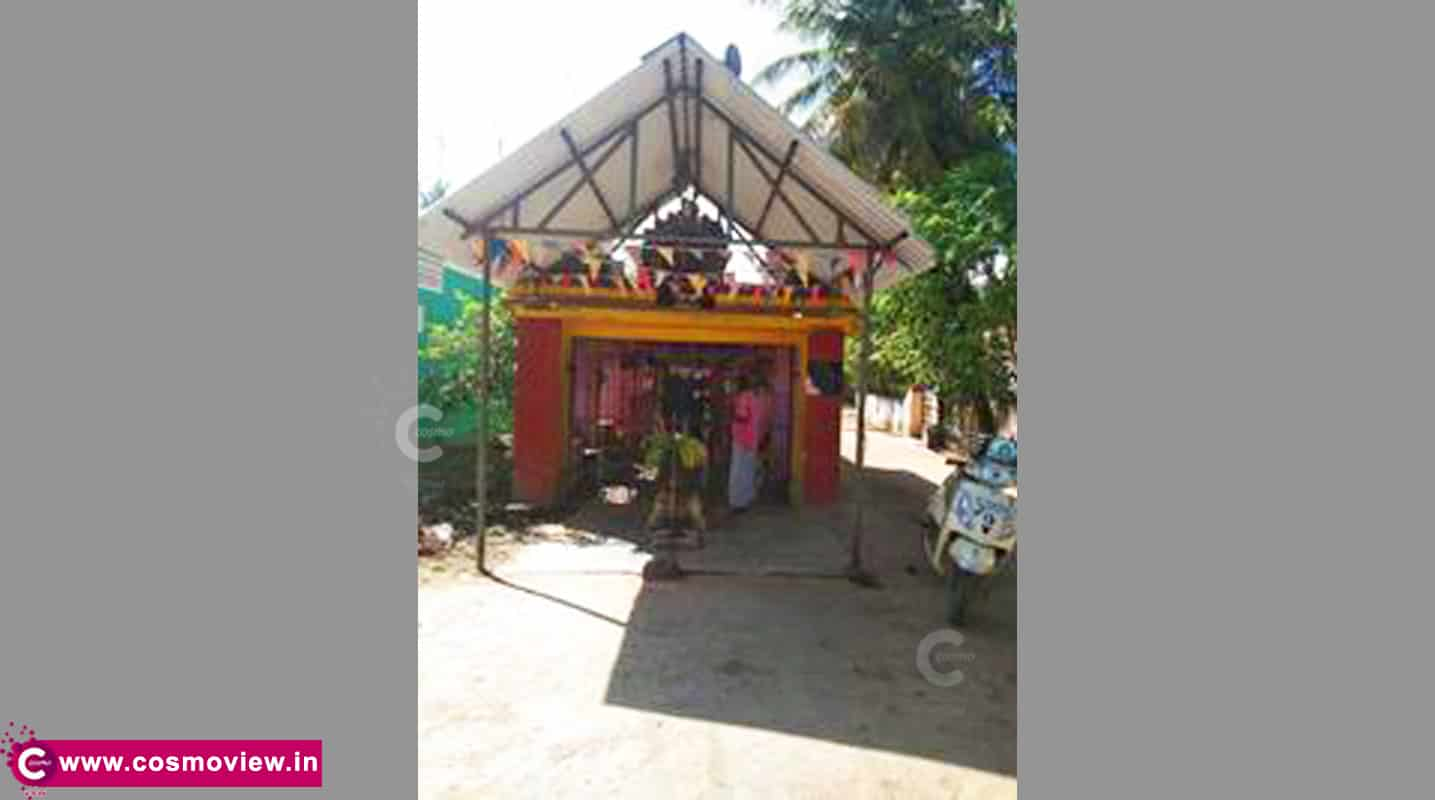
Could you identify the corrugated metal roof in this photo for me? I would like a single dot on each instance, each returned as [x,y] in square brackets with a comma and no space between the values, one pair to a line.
[818,186]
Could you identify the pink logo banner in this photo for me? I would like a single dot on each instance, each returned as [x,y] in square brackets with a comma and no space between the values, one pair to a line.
[165,763]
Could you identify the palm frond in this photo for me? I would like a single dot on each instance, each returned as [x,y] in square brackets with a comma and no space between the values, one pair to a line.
[810,60]
[806,97]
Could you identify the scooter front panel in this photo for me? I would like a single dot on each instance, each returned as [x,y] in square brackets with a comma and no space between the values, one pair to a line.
[982,513]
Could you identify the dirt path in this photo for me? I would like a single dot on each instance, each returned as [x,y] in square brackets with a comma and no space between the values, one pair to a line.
[562,683]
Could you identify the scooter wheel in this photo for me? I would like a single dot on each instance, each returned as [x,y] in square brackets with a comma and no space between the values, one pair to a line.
[929,536]
[957,591]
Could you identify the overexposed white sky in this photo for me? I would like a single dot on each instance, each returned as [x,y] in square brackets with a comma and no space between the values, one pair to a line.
[494,74]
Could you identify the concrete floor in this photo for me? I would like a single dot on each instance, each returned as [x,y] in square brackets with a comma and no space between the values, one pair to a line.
[573,677]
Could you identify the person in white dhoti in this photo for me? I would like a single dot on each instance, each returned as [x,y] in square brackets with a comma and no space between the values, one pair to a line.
[748,423]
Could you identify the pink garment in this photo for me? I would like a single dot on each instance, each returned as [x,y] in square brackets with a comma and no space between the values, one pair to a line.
[764,414]
[750,416]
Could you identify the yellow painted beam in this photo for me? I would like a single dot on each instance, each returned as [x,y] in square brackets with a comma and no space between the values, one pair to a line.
[653,319]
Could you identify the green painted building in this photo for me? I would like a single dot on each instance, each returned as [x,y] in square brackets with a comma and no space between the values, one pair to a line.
[440,288]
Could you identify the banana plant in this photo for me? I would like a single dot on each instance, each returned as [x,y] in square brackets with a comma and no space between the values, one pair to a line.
[664,450]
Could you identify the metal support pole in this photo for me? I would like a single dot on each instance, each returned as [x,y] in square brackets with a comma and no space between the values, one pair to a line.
[636,223]
[735,235]
[855,570]
[484,363]
[698,127]
[588,177]
[683,95]
[776,186]
[668,93]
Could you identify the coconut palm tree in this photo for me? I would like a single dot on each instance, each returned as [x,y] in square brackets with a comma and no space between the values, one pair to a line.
[901,89]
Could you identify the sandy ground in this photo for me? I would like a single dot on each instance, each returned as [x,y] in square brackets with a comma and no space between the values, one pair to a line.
[571,677]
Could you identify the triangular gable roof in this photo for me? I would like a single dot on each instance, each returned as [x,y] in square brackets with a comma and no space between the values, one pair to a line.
[680,118]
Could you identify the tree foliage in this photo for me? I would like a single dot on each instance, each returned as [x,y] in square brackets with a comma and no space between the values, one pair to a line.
[919,96]
[450,381]
[902,89]
[954,327]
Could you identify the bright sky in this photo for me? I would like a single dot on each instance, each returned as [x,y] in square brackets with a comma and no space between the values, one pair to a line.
[495,74]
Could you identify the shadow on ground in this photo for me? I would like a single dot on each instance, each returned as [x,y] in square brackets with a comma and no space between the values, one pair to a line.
[824,658]
[814,681]
[820,659]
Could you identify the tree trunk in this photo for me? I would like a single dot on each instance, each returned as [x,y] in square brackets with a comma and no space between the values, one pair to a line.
[975,419]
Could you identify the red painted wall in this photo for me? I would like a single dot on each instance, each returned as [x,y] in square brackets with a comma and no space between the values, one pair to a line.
[538,411]
[822,468]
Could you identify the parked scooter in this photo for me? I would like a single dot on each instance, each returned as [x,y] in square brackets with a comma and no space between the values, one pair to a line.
[970,530]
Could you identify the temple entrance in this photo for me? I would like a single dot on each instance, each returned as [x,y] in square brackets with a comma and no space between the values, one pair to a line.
[622,391]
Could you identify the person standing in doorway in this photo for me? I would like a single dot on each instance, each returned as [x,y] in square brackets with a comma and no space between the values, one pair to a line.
[762,405]
[746,436]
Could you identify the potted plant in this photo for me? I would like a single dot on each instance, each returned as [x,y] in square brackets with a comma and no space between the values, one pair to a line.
[675,455]
[679,460]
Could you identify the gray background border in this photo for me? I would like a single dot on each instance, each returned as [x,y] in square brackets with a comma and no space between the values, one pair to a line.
[1225,399]
[207,321]
[1224,313]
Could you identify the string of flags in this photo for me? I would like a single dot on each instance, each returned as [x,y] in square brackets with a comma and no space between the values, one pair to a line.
[816,273]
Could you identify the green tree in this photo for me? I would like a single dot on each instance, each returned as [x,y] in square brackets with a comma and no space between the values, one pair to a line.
[898,88]
[450,380]
[954,327]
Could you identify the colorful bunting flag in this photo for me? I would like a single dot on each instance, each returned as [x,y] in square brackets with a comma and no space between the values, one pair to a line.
[518,250]
[549,251]
[856,261]
[820,265]
[667,254]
